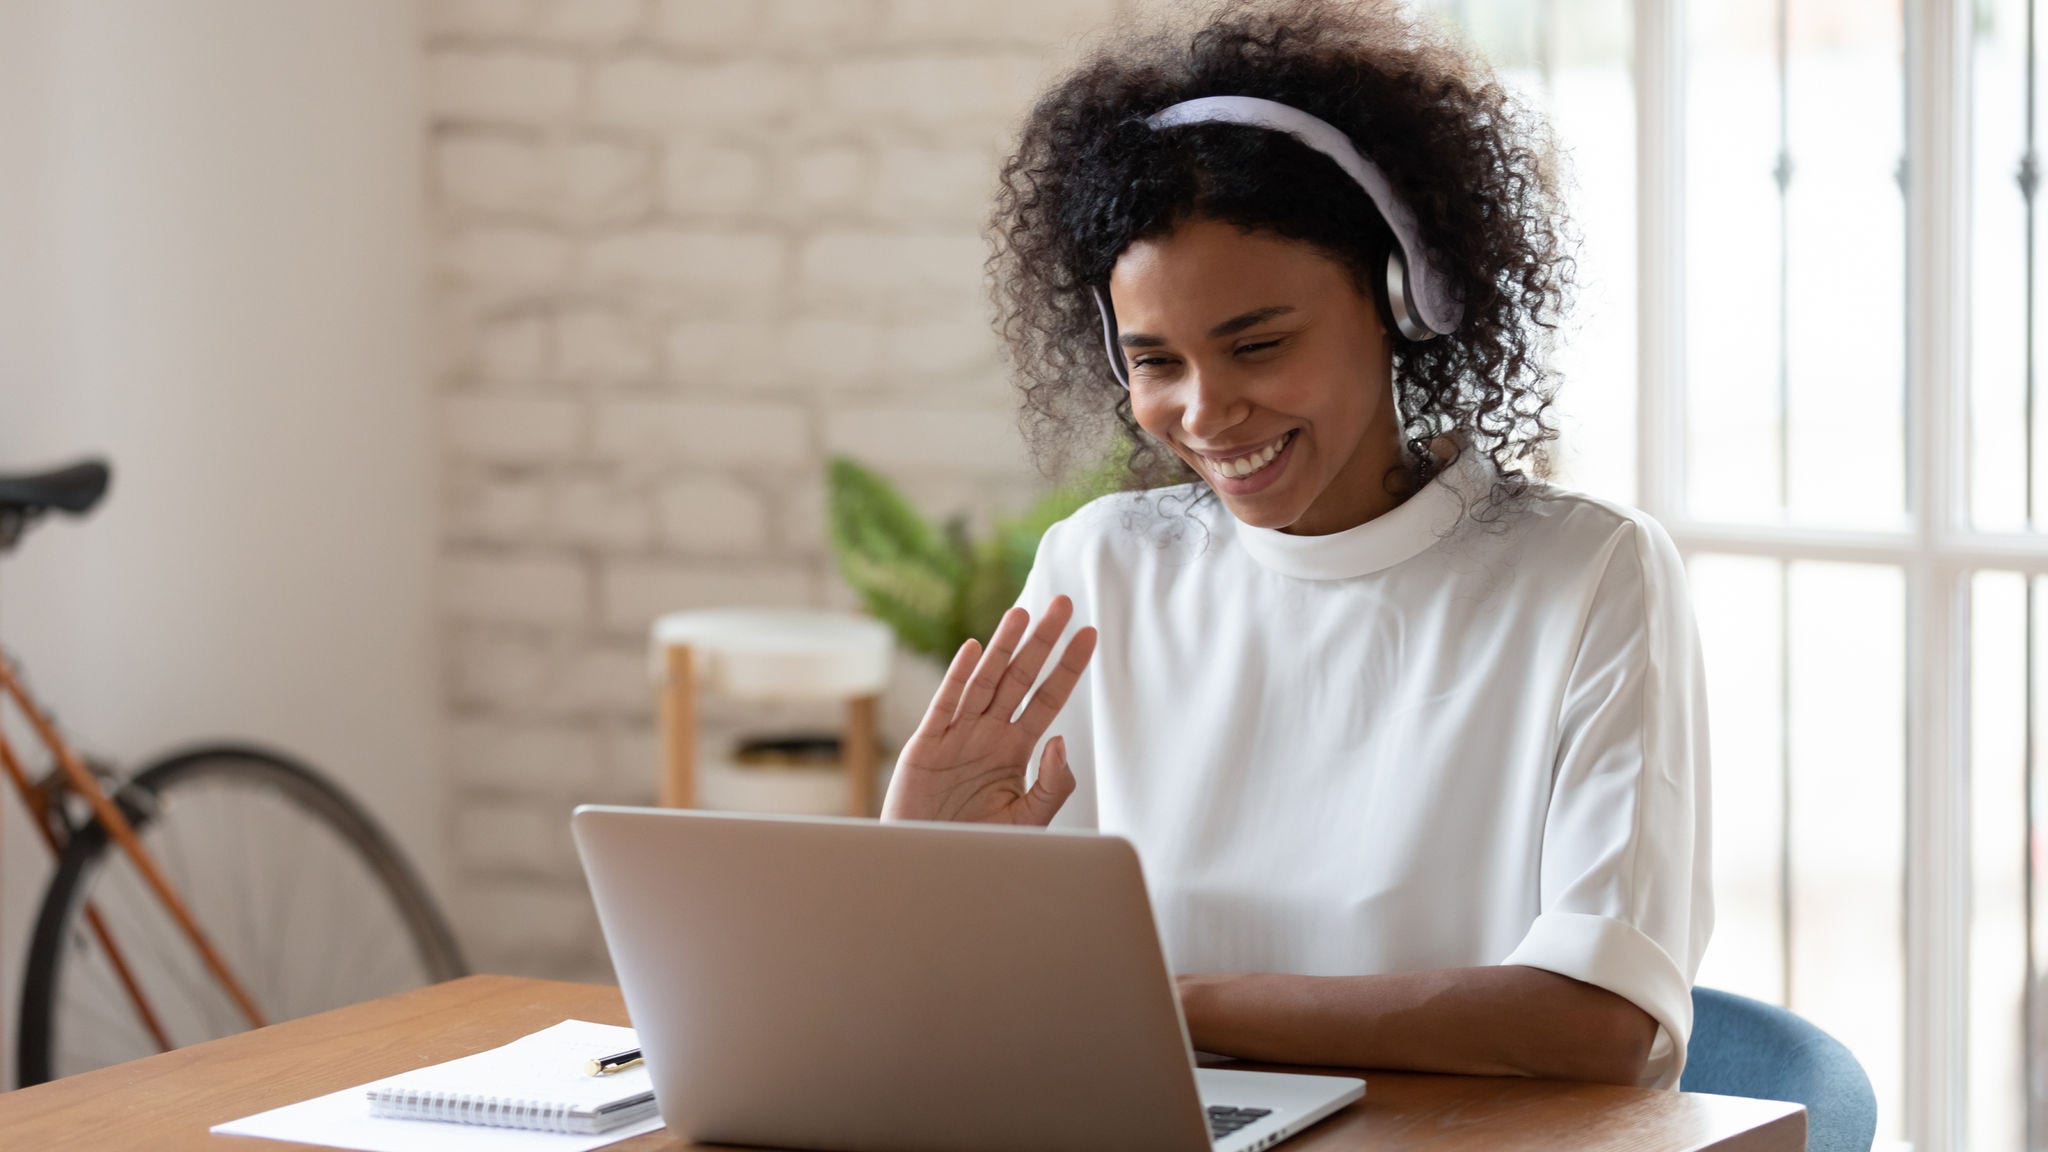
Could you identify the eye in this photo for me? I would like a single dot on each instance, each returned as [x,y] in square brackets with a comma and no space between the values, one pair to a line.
[1258,347]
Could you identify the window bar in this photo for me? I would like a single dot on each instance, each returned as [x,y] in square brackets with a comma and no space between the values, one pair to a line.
[1916,591]
[2029,179]
[1900,176]
[1658,69]
[1781,174]
[2029,1069]
[1935,1085]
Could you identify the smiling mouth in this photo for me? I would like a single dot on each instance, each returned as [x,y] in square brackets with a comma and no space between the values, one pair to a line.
[1240,467]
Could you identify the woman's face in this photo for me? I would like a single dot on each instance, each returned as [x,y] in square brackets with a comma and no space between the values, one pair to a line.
[1260,364]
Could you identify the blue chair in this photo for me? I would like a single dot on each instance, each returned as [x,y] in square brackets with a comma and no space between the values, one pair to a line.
[1744,1047]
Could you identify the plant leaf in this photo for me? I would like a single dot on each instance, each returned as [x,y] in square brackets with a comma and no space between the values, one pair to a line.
[890,556]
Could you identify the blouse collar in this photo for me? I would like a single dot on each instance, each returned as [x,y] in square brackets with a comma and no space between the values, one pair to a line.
[1408,530]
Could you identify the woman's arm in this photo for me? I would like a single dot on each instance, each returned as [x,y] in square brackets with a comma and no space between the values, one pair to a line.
[1505,1020]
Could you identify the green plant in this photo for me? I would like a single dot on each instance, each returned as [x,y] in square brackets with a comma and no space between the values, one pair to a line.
[937,586]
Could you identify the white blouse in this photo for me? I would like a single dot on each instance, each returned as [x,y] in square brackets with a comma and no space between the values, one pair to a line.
[1424,742]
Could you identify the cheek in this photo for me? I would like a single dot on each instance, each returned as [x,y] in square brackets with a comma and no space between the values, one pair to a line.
[1338,405]
[1155,418]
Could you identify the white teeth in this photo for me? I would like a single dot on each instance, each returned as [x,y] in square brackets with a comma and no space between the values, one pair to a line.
[1245,466]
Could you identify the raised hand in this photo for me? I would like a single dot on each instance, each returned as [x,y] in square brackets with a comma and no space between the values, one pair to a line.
[967,759]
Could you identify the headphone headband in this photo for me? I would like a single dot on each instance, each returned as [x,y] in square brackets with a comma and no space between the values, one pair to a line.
[1419,294]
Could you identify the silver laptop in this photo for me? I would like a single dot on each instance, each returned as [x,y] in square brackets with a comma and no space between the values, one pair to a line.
[813,982]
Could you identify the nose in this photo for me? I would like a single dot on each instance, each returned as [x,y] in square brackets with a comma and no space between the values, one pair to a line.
[1214,404]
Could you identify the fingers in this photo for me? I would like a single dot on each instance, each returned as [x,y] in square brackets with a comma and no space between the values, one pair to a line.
[940,713]
[1054,784]
[1052,695]
[981,687]
[1030,658]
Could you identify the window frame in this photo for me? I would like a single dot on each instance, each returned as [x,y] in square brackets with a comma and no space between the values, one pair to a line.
[1937,552]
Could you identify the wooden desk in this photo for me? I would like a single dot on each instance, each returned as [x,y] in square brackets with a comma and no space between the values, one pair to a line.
[165,1103]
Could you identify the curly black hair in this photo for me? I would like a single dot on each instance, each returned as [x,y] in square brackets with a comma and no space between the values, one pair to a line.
[1088,178]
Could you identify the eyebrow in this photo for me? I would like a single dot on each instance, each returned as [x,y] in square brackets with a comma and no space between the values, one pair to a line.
[1229,327]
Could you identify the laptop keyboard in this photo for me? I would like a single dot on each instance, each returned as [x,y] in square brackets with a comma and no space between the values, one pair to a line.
[1223,1119]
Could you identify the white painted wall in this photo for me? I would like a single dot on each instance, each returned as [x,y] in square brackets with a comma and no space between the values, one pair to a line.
[211,272]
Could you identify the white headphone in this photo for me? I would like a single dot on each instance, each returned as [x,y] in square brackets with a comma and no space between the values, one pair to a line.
[1418,293]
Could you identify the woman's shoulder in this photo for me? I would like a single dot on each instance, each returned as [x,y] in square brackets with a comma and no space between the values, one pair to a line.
[1108,526]
[1562,527]
[1137,510]
[1575,518]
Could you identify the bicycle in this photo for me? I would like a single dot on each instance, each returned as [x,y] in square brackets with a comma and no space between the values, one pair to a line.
[220,888]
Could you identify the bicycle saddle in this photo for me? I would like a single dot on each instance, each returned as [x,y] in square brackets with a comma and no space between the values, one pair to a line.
[74,489]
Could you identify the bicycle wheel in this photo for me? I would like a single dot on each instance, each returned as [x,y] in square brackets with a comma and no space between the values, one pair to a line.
[310,904]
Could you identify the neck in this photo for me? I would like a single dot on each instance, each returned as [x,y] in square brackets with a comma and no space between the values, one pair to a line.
[1359,492]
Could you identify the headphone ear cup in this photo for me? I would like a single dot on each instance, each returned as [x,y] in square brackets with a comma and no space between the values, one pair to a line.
[1398,304]
[1381,297]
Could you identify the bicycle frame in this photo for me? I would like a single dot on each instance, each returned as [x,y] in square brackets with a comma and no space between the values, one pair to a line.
[116,822]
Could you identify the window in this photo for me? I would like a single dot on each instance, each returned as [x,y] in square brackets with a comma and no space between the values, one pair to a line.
[1807,343]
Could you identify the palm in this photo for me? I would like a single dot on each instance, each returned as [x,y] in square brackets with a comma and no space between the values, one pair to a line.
[968,759]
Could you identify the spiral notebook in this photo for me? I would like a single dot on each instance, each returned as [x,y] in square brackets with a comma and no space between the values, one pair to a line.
[537,1081]
[342,1119]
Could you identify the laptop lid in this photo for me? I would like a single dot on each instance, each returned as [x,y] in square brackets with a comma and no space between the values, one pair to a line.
[831,983]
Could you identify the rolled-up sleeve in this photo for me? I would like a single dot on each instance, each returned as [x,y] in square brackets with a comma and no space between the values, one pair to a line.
[1625,884]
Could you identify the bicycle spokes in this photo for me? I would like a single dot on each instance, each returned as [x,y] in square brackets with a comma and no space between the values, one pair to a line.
[115,822]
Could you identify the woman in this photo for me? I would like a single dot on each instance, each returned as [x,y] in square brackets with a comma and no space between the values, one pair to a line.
[1411,742]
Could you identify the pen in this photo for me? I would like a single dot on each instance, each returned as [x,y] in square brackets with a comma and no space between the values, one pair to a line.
[612,1063]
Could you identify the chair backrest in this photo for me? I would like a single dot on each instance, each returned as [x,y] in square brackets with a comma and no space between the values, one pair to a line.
[1745,1047]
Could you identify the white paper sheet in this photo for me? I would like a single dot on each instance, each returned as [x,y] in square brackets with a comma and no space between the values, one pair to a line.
[342,1119]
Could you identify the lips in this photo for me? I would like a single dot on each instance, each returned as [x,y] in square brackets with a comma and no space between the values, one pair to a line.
[1240,465]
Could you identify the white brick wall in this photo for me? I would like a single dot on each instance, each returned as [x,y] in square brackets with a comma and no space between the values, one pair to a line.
[685,250]
[714,355]
[706,178]
[544,589]
[487,174]
[950,92]
[712,516]
[595,343]
[591,23]
[513,428]
[1040,22]
[716,267]
[698,25]
[498,260]
[452,19]
[503,756]
[509,346]
[502,85]
[634,592]
[877,269]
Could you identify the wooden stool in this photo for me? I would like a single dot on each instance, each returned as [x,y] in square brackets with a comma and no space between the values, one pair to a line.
[769,654]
